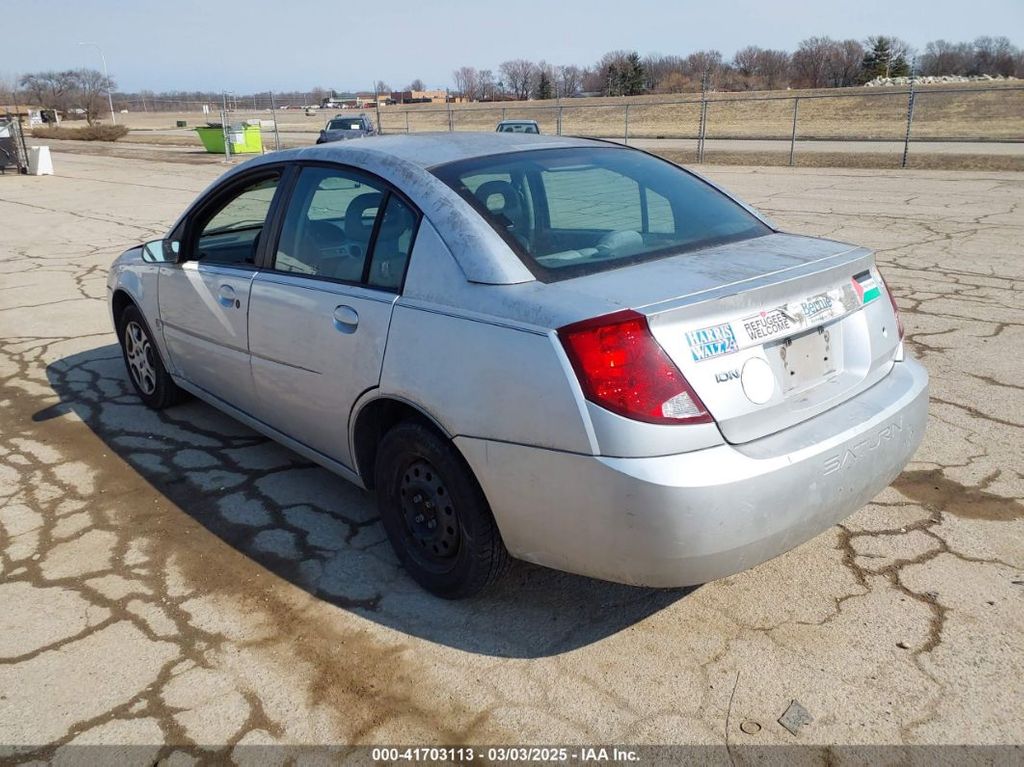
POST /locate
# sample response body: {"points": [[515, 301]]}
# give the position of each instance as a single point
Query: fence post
{"points": [[277, 136], [702, 123], [627, 124], [910, 119], [559, 119], [448, 103], [792, 138], [407, 122], [224, 128], [503, 111]]}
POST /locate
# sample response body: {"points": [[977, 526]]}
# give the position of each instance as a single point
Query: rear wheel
{"points": [[435, 514], [146, 370]]}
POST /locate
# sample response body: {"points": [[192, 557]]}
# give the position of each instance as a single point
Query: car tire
{"points": [[435, 514], [142, 362]]}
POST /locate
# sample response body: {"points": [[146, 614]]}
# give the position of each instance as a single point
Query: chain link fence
{"points": [[780, 122]]}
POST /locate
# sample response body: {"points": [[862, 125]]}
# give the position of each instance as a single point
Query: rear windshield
{"points": [[355, 124], [571, 212], [518, 128]]}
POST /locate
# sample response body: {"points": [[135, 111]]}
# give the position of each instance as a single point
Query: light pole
{"points": [[106, 76]]}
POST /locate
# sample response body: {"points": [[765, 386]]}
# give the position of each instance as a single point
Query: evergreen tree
{"points": [[633, 76], [884, 58], [545, 88]]}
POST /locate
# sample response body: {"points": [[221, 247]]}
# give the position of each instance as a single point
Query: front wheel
{"points": [[146, 370], [435, 514]]}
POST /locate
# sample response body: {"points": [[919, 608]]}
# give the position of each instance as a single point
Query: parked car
{"points": [[518, 126], [566, 351], [340, 128]]}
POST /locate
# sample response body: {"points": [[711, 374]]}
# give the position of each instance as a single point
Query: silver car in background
{"points": [[342, 128], [563, 350]]}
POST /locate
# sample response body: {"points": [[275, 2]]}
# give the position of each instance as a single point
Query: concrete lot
{"points": [[177, 578]]}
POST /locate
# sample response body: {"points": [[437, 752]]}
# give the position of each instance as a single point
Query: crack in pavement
{"points": [[177, 576]]}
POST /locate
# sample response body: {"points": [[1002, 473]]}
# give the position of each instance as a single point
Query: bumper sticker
{"points": [[711, 341], [866, 287]]}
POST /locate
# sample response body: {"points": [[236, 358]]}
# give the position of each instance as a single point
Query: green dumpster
{"points": [[245, 139]]}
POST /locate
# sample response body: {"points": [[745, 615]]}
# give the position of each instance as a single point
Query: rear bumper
{"points": [[685, 519]]}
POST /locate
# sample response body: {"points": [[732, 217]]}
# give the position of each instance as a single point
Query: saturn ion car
{"points": [[561, 350]]}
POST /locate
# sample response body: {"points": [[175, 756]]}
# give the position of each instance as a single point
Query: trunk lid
{"points": [[769, 332]]}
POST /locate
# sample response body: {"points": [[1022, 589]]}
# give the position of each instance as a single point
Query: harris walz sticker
{"points": [[711, 342], [866, 287]]}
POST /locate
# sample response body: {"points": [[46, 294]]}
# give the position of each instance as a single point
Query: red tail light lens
{"points": [[895, 309], [621, 367]]}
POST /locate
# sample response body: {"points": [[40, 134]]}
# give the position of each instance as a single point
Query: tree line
{"points": [[818, 62]]}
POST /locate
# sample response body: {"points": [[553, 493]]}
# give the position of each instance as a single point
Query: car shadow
{"points": [[322, 533]]}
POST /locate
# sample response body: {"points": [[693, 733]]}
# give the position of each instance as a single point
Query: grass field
{"points": [[996, 113]]}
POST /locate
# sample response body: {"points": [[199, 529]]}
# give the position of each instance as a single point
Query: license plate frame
{"points": [[806, 359]]}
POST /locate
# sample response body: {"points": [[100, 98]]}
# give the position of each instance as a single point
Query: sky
{"points": [[245, 46]]}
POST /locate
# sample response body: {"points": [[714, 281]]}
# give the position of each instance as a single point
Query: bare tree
{"points": [[942, 57], [821, 62], [775, 68], [416, 85], [811, 62], [91, 88], [844, 63], [488, 88], [994, 56], [52, 90], [569, 81], [746, 63], [755, 67], [704, 66], [676, 82], [467, 82], [8, 89], [317, 94], [381, 87], [658, 67], [518, 76], [593, 80]]}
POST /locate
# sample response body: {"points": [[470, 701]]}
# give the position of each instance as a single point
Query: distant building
{"points": [[422, 97]]}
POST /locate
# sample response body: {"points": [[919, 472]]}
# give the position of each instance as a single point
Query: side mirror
{"points": [[172, 251], [159, 252]]}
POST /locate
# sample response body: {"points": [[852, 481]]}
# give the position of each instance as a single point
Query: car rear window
{"points": [[575, 211], [355, 124]]}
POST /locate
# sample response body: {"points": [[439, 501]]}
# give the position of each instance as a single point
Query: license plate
{"points": [[806, 359]]}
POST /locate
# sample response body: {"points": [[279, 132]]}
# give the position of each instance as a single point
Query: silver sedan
{"points": [[561, 350]]}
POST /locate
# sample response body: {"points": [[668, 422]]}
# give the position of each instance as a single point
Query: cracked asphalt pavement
{"points": [[172, 580]]}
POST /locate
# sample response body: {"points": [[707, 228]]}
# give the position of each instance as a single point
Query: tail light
{"points": [[621, 367], [895, 309]]}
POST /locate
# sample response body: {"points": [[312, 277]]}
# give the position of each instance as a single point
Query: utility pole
{"points": [[110, 99]]}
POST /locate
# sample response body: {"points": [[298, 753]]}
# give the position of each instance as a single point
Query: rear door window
{"points": [[343, 225]]}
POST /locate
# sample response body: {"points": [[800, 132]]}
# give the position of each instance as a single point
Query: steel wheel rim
{"points": [[138, 351], [428, 515]]}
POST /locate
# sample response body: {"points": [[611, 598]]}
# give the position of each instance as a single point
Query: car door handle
{"points": [[346, 319], [226, 295]]}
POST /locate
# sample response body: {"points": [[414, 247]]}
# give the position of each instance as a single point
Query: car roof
{"points": [[429, 149], [518, 122]]}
